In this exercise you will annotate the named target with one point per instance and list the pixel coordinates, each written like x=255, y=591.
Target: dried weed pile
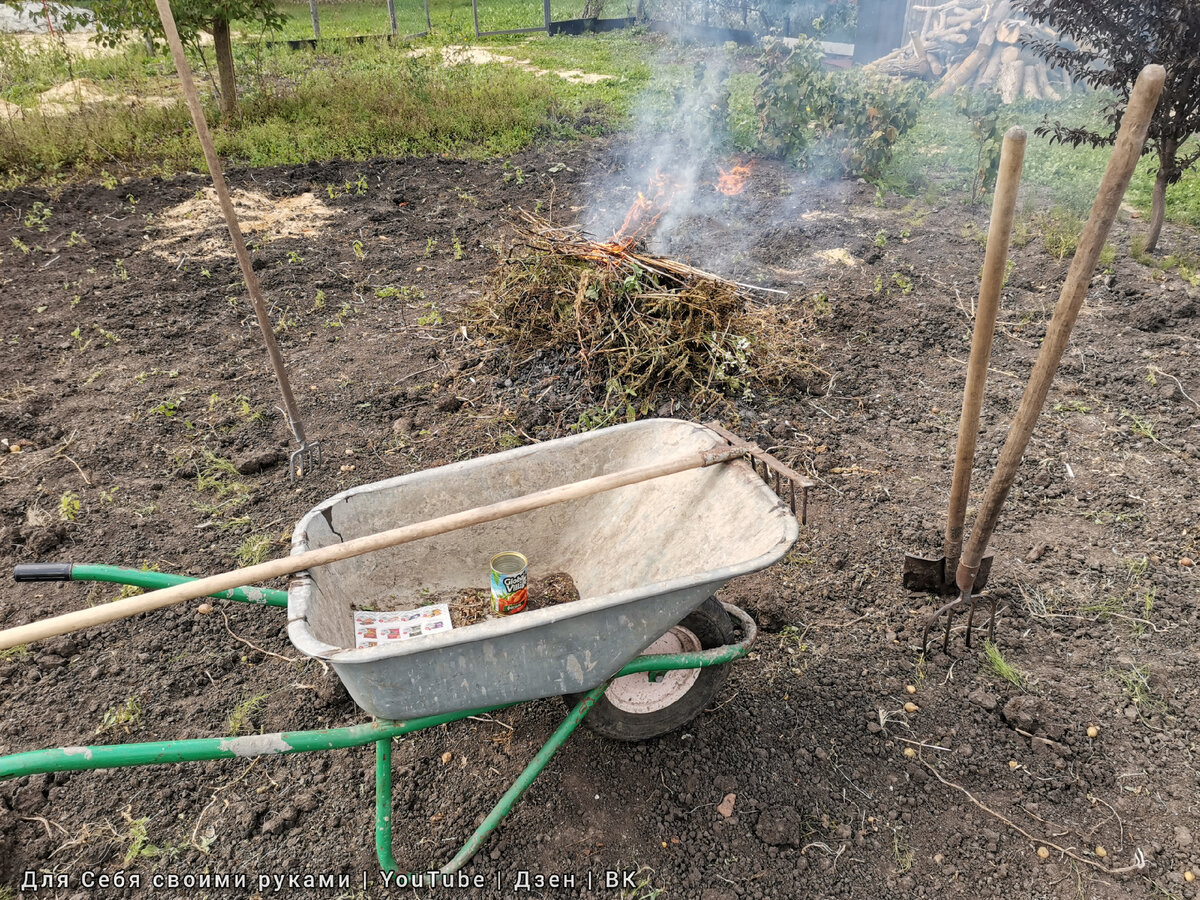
x=641, y=326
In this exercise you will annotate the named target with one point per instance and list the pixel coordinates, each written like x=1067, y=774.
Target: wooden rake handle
x=287, y=565
x=1128, y=150
x=1004, y=206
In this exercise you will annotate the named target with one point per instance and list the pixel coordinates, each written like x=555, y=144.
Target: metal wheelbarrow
x=636, y=655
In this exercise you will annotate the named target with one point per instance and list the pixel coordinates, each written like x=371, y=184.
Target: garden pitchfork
x=308, y=455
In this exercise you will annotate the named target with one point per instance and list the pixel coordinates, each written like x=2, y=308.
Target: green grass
x=125, y=717
x=253, y=550
x=451, y=18
x=1136, y=683
x=341, y=102
x=351, y=19
x=1002, y=668
x=938, y=156
x=241, y=718
x=346, y=101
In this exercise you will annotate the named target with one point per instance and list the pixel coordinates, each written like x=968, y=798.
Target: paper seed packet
x=371, y=629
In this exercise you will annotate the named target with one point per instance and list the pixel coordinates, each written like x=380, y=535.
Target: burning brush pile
x=641, y=327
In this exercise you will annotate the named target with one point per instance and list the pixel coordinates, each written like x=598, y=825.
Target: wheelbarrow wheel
x=649, y=704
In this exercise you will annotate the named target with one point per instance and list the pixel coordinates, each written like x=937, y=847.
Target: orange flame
x=645, y=212
x=734, y=181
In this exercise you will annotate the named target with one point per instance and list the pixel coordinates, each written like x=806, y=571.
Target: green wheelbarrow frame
x=379, y=732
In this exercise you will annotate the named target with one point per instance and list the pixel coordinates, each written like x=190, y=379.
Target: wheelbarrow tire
x=631, y=712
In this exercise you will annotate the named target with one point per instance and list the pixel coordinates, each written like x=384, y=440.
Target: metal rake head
x=967, y=599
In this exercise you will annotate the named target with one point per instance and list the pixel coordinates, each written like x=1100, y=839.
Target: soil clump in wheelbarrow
x=475, y=605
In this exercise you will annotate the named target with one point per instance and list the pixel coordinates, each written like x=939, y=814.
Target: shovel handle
x=995, y=260
x=1128, y=150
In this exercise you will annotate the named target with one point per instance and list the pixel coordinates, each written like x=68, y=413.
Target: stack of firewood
x=976, y=44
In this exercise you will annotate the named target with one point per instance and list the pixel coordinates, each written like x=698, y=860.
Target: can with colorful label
x=510, y=583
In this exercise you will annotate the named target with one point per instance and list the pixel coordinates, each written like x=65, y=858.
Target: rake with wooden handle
x=120, y=609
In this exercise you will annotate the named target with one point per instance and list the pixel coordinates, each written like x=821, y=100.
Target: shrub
x=807, y=115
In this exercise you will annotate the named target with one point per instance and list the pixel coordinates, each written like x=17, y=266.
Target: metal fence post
x=312, y=7
x=391, y=5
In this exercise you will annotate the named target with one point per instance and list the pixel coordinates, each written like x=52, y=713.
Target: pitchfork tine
x=948, y=609
x=970, y=618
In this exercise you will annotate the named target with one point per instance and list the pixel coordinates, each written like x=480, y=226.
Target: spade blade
x=929, y=576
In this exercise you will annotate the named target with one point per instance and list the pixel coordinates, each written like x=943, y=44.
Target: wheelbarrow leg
x=383, y=790
x=383, y=805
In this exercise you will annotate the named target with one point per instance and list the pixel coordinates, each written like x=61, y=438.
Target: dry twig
x=1139, y=860
x=242, y=640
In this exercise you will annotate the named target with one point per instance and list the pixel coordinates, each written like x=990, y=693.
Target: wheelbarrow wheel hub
x=640, y=706
x=651, y=691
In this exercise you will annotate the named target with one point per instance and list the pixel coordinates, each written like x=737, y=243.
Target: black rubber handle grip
x=42, y=572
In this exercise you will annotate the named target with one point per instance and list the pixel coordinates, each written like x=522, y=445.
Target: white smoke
x=679, y=139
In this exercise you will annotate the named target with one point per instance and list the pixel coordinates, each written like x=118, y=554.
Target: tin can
x=510, y=583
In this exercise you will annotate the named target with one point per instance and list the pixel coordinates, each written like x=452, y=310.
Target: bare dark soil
x=130, y=380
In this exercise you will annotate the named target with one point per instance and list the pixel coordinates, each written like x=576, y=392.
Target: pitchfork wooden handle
x=1004, y=205
x=1128, y=150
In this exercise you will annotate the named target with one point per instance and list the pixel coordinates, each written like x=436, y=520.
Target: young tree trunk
x=224, y=50
x=1158, y=208
x=1167, y=151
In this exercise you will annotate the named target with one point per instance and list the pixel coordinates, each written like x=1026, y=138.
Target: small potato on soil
x=1093, y=731
x=204, y=609
x=911, y=707
x=1043, y=852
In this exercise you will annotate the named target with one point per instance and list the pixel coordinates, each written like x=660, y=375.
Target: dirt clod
x=779, y=826
x=982, y=699
x=258, y=461
x=725, y=807
x=1033, y=714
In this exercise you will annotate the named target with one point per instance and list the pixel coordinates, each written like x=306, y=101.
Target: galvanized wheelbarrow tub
x=642, y=557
